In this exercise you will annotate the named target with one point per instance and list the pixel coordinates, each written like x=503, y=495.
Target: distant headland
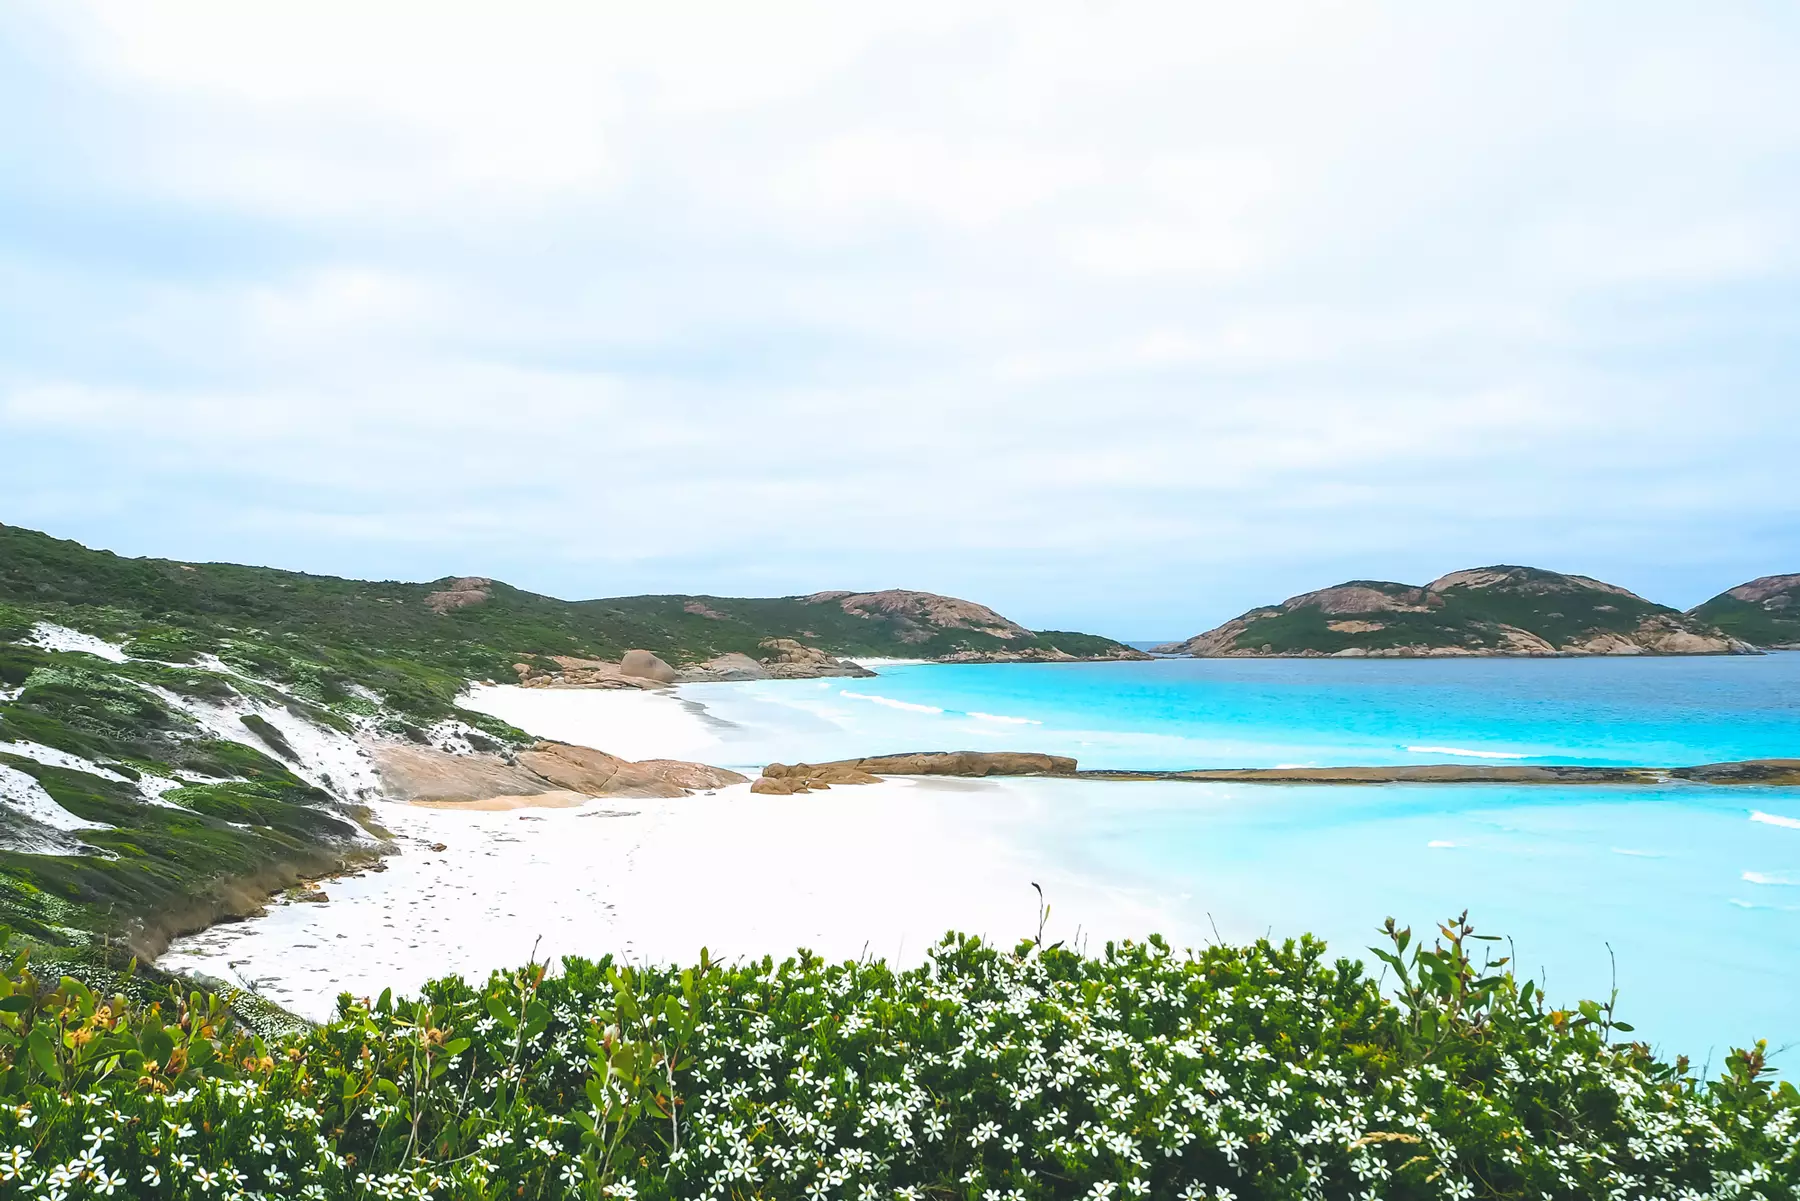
x=1504, y=610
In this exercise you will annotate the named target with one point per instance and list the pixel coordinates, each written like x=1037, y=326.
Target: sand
x=629, y=724
x=883, y=870
x=559, y=799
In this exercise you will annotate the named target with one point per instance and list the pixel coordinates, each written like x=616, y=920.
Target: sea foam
x=1011, y=721
x=1775, y=819
x=889, y=701
x=1464, y=752
x=1771, y=878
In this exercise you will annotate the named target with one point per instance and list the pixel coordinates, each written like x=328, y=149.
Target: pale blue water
x=1695, y=888
x=1264, y=712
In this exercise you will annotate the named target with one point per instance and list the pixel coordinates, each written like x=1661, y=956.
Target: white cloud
x=706, y=296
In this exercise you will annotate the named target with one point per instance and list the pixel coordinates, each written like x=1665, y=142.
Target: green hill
x=418, y=644
x=1499, y=610
x=150, y=712
x=1765, y=611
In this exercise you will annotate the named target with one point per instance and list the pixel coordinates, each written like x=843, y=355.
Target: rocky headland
x=1764, y=611
x=1499, y=610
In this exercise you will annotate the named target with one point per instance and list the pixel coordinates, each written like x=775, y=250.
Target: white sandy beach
x=633, y=724
x=880, y=869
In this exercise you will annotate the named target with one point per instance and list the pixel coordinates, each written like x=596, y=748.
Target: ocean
x=1684, y=897
x=1179, y=713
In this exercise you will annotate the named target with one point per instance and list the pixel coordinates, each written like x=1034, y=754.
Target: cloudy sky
x=1115, y=316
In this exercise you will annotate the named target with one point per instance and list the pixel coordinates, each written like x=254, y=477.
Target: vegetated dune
x=1764, y=611
x=1500, y=610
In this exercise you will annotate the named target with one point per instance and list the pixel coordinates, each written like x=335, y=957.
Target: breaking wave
x=889, y=701
x=1464, y=752
x=1011, y=721
x=1772, y=878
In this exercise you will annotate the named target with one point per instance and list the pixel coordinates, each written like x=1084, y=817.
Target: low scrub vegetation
x=1263, y=1071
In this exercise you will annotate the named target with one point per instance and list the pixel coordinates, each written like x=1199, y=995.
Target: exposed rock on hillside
x=1480, y=611
x=919, y=615
x=1765, y=611
x=470, y=590
x=783, y=659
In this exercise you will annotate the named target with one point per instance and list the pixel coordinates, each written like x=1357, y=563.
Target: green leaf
x=17, y=1003
x=43, y=1053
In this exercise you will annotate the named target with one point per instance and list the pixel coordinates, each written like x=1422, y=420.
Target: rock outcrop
x=643, y=665
x=1750, y=771
x=596, y=773
x=416, y=773
x=1765, y=611
x=420, y=774
x=920, y=615
x=565, y=671
x=783, y=659
x=1480, y=611
x=470, y=590
x=786, y=659
x=785, y=778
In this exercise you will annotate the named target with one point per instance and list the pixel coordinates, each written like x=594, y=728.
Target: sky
x=1115, y=316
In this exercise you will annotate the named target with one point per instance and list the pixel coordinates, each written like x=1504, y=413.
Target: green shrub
x=1259, y=1071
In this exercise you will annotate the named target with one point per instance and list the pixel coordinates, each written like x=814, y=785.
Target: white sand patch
x=150, y=787
x=52, y=637
x=23, y=794
x=49, y=756
x=632, y=724
x=332, y=760
x=874, y=664
x=881, y=869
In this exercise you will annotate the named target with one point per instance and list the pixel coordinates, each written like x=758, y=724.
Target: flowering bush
x=986, y=1074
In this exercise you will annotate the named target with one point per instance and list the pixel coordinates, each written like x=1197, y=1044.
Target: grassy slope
x=341, y=653
x=1468, y=617
x=1752, y=622
x=382, y=635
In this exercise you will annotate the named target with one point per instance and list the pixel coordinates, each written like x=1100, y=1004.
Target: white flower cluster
x=1231, y=1075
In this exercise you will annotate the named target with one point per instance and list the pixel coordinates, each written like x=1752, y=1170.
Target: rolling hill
x=1501, y=610
x=1765, y=612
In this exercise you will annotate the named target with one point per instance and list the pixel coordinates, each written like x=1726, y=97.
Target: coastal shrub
x=15, y=623
x=1262, y=1071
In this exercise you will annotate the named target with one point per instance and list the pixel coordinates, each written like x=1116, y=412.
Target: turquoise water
x=1266, y=712
x=1698, y=904
x=1695, y=889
